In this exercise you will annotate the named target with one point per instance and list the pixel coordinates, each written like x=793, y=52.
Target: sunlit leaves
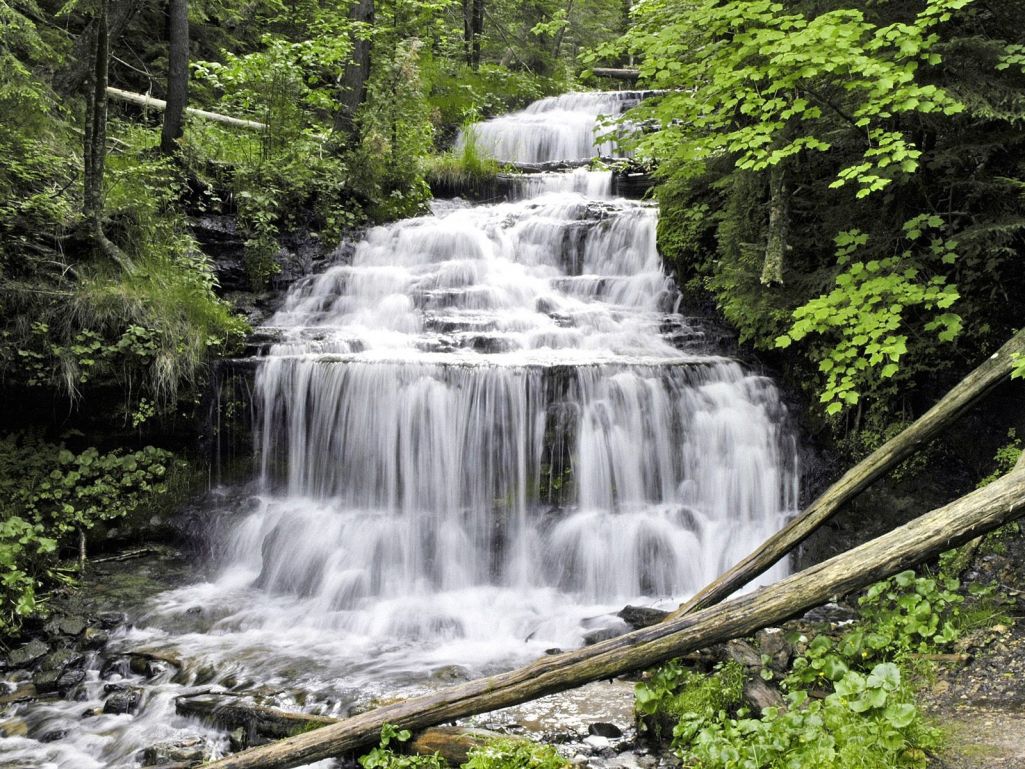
x=865, y=318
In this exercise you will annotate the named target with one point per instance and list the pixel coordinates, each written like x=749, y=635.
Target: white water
x=489, y=431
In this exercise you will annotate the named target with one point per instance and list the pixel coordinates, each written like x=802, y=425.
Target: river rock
x=123, y=699
x=45, y=680
x=20, y=693
x=641, y=616
x=602, y=634
x=94, y=638
x=744, y=653
x=115, y=666
x=14, y=728
x=605, y=729
x=185, y=751
x=61, y=659
x=69, y=679
x=25, y=655
x=111, y=619
x=772, y=643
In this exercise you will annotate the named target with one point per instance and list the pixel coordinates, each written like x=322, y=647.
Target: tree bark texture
x=941, y=529
x=177, y=75
x=353, y=88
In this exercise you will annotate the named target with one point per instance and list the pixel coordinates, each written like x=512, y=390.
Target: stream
x=477, y=439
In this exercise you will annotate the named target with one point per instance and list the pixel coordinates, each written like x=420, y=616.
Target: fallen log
x=230, y=712
x=955, y=403
x=941, y=529
x=616, y=73
x=149, y=102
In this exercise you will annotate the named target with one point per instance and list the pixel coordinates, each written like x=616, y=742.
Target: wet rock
x=123, y=699
x=744, y=653
x=109, y=620
x=25, y=655
x=772, y=643
x=115, y=666
x=22, y=692
x=94, y=638
x=53, y=735
x=187, y=751
x=833, y=613
x=604, y=729
x=66, y=625
x=761, y=695
x=69, y=679
x=602, y=634
x=597, y=742
x=451, y=673
x=45, y=680
x=237, y=739
x=14, y=728
x=61, y=660
x=641, y=616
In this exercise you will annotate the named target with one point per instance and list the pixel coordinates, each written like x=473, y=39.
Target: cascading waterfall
x=477, y=440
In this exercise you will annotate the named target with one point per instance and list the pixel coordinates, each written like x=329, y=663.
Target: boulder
x=641, y=616
x=121, y=699
x=26, y=655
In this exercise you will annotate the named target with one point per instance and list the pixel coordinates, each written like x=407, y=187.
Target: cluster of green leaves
x=49, y=496
x=866, y=721
x=867, y=312
x=767, y=84
x=892, y=130
x=671, y=692
x=848, y=703
x=494, y=754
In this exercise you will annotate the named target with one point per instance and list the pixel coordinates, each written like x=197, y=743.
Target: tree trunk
x=941, y=529
x=776, y=244
x=79, y=68
x=353, y=88
x=94, y=151
x=177, y=75
x=955, y=403
x=473, y=30
x=615, y=73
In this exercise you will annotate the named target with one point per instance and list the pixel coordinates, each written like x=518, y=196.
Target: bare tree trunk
x=944, y=528
x=955, y=403
x=353, y=88
x=473, y=30
x=177, y=75
x=78, y=70
x=776, y=245
x=94, y=152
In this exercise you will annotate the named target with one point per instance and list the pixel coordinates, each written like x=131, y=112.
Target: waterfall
x=478, y=437
x=506, y=400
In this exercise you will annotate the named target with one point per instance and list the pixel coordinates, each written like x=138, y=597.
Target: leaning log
x=941, y=529
x=955, y=403
x=616, y=73
x=150, y=102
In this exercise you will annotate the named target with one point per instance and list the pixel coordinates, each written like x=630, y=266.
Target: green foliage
x=514, y=754
x=868, y=721
x=869, y=308
x=780, y=83
x=887, y=124
x=495, y=754
x=849, y=704
x=673, y=690
x=49, y=496
x=385, y=757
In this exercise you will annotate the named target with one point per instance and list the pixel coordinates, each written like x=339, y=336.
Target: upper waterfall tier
x=562, y=128
x=557, y=279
